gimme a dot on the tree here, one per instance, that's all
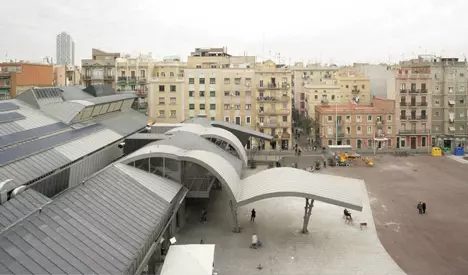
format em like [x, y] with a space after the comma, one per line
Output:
[307, 124]
[296, 117]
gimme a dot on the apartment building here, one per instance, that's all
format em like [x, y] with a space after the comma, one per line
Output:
[274, 103]
[381, 78]
[371, 126]
[167, 94]
[133, 73]
[432, 102]
[16, 78]
[100, 69]
[354, 87]
[67, 75]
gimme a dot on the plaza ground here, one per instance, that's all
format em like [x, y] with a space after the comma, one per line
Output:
[435, 243]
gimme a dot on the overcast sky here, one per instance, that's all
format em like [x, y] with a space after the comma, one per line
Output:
[338, 31]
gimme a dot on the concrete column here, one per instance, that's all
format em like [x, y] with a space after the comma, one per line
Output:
[173, 227]
[236, 228]
[307, 213]
[182, 214]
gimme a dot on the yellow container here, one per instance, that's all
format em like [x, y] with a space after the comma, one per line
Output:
[436, 152]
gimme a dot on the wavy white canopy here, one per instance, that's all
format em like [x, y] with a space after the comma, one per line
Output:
[217, 133]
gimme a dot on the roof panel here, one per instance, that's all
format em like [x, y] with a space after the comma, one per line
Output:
[285, 181]
[64, 111]
[10, 117]
[165, 188]
[111, 98]
[34, 117]
[7, 106]
[237, 129]
[125, 123]
[10, 128]
[36, 146]
[31, 133]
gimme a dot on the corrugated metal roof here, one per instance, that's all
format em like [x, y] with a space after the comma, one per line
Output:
[20, 206]
[285, 181]
[88, 144]
[34, 118]
[110, 98]
[64, 111]
[149, 136]
[198, 259]
[125, 123]
[46, 96]
[165, 188]
[74, 93]
[215, 163]
[104, 226]
[10, 128]
[33, 167]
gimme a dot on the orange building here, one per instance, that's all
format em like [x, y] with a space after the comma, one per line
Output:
[16, 78]
[361, 126]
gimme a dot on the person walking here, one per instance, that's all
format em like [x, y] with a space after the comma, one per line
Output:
[253, 214]
[419, 207]
[423, 207]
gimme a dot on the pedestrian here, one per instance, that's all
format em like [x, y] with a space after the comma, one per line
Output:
[253, 214]
[201, 241]
[423, 207]
[419, 207]
[204, 215]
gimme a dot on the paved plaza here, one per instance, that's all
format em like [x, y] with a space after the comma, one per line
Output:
[433, 244]
[331, 247]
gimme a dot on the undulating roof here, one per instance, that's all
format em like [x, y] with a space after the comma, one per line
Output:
[198, 259]
[104, 226]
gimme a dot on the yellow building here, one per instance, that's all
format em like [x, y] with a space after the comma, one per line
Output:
[167, 95]
[274, 99]
[132, 73]
[355, 87]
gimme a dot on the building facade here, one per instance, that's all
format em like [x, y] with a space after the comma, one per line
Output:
[381, 77]
[65, 49]
[167, 94]
[16, 78]
[361, 126]
[133, 73]
[100, 69]
[67, 75]
[354, 87]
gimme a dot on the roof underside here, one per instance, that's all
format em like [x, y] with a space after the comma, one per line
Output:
[198, 260]
[104, 226]
[289, 182]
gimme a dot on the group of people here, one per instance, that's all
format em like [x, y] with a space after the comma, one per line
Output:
[421, 208]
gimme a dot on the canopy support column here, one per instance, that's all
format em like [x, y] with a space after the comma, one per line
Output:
[236, 228]
[307, 214]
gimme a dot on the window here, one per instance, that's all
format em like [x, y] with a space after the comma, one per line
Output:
[436, 113]
[237, 106]
[202, 93]
[436, 102]
[212, 93]
[358, 118]
[163, 74]
[142, 73]
[248, 106]
[348, 118]
[347, 86]
[285, 118]
[369, 129]
[461, 101]
[191, 93]
[261, 83]
[330, 118]
[226, 118]
[247, 120]
[359, 144]
[201, 81]
[212, 106]
[359, 130]
[389, 117]
[161, 101]
[173, 113]
[227, 80]
[237, 93]
[172, 100]
[248, 93]
[122, 73]
[212, 80]
[369, 118]
[462, 114]
[227, 106]
[161, 88]
[423, 141]
[330, 142]
[237, 81]
[329, 130]
[212, 118]
[333, 97]
[389, 129]
[202, 106]
[172, 88]
[316, 97]
[191, 106]
[363, 86]
[191, 80]
[227, 93]
[171, 74]
[348, 142]
[369, 143]
[450, 90]
[162, 113]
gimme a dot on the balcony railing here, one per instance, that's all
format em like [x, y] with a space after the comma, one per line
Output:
[5, 86]
[273, 112]
[413, 91]
[142, 79]
[274, 124]
[122, 78]
[273, 99]
[110, 77]
[355, 91]
[132, 80]
[274, 86]
[414, 132]
[417, 104]
[403, 103]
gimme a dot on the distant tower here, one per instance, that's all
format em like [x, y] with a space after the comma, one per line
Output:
[65, 49]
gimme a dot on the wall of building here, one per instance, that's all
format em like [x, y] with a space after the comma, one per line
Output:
[66, 75]
[30, 75]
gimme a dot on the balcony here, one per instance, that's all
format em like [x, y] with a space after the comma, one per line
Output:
[5, 86]
[273, 99]
[274, 86]
[414, 91]
[355, 91]
[274, 124]
[132, 80]
[416, 118]
[414, 132]
[270, 112]
[142, 79]
[403, 103]
[109, 77]
[86, 77]
[417, 104]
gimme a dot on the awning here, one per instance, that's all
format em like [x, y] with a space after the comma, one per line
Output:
[380, 139]
[451, 102]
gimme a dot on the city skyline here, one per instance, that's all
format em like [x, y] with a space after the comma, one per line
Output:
[65, 49]
[361, 31]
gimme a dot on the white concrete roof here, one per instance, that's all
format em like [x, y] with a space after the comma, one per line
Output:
[193, 259]
[217, 133]
[291, 182]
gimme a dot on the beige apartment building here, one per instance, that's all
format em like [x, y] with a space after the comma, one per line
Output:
[67, 75]
[100, 69]
[133, 73]
[167, 94]
[274, 103]
[354, 87]
[362, 126]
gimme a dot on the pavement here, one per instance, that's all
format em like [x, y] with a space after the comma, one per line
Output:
[431, 244]
[331, 247]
